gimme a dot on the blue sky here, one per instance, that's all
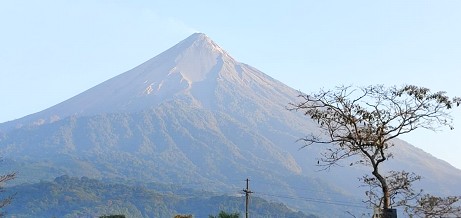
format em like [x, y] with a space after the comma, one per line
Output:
[53, 50]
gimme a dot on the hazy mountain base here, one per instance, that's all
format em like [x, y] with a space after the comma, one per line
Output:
[84, 197]
[172, 143]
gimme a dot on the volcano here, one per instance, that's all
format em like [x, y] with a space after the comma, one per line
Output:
[194, 116]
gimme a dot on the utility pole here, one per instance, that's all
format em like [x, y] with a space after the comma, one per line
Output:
[247, 197]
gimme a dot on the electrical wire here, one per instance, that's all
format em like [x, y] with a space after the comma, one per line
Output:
[312, 200]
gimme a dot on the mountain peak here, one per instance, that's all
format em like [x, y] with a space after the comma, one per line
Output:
[193, 68]
[193, 58]
[197, 37]
[200, 41]
[174, 71]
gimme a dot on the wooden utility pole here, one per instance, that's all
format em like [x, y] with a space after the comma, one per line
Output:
[247, 197]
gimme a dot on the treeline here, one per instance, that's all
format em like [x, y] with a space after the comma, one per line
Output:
[83, 197]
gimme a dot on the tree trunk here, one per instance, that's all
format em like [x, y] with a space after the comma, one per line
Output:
[384, 188]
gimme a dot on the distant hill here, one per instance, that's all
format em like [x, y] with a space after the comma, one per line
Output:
[196, 117]
[83, 197]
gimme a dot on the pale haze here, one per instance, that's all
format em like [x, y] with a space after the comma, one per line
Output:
[53, 50]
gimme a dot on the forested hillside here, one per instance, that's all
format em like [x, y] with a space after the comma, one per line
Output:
[83, 197]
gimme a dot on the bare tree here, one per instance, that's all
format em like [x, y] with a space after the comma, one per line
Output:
[432, 206]
[401, 192]
[359, 124]
[3, 202]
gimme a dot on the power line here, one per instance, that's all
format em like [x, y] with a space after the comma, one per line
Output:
[247, 193]
[313, 200]
[295, 188]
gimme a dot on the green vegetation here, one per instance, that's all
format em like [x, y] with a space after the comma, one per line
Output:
[113, 216]
[83, 197]
[223, 214]
[171, 144]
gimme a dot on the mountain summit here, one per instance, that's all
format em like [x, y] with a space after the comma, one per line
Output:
[192, 68]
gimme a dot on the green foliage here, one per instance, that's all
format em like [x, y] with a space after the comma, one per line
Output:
[84, 197]
[173, 142]
[113, 216]
[223, 214]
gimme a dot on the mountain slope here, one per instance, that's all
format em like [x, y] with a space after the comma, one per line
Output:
[193, 67]
[195, 116]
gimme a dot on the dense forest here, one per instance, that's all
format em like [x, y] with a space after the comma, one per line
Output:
[83, 197]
